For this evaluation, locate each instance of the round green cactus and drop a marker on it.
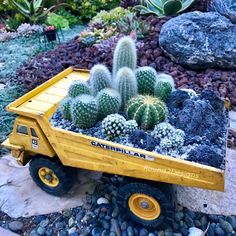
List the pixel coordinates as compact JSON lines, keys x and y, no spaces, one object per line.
{"x":162,"y":90}
{"x":126,"y":85}
{"x":131,"y":126}
{"x":78,"y":88}
{"x":125,"y":55}
{"x":162,"y":130}
{"x":65,"y":108}
{"x":109,"y":101}
{"x":147,"y":111}
{"x":100,"y":78}
{"x":114,"y":126}
{"x":146,"y":78}
{"x":84,"y":111}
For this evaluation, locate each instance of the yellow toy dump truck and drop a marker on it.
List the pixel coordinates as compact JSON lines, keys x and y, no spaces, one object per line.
{"x":54,"y":153}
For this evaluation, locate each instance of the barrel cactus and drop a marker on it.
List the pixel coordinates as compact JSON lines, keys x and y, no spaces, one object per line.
{"x":147,"y":111}
{"x":125,"y":55}
{"x":146,"y":78}
{"x":126,"y":84}
{"x":84,"y":111}
{"x":109,"y":101}
{"x":65,"y":108}
{"x":78,"y":88}
{"x":100,"y":78}
{"x":114,"y":126}
{"x":131,"y":126}
{"x":162,"y":90}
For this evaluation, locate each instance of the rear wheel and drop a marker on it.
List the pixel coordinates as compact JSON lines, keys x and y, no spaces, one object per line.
{"x":51,"y":176}
{"x":145,"y":204}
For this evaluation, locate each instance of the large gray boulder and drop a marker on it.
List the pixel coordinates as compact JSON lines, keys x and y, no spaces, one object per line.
{"x":200,"y":40}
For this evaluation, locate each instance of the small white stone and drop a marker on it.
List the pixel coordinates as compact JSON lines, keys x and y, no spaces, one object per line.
{"x":193,"y":231}
{"x":102,"y":200}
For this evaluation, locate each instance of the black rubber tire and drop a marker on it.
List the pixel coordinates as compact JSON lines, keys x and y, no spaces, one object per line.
{"x":166,"y":206}
{"x":66,"y":175}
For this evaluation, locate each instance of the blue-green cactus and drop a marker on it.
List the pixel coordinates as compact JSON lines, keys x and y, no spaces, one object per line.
{"x":131,"y":126}
{"x":78,"y":88}
{"x":100,"y":78}
{"x":162,"y":130}
{"x":125,"y":55}
{"x":65,"y":108}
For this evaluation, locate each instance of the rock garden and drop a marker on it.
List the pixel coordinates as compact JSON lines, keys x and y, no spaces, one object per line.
{"x":162,"y":79}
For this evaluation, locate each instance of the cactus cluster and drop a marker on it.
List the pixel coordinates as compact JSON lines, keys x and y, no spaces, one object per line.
{"x":78,"y":88}
{"x":100,"y":78}
{"x":113,"y":126}
{"x":125,"y":55}
{"x":146,"y":110}
{"x":131,"y":126}
{"x":162,"y":130}
{"x":84,"y":111}
{"x":126,"y":85}
{"x":109,"y":101}
{"x":146,"y":79}
{"x":65,"y":108}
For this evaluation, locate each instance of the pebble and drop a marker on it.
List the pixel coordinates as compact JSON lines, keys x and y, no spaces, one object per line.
{"x":143,"y":232}
{"x":41,"y":230}
{"x":71,"y":222}
{"x":179,"y":216}
{"x":151,"y":234}
{"x":102,"y":200}
{"x":124,"y":226}
{"x":112,"y":234}
{"x":130,"y":231}
{"x":226,"y":226}
{"x":67,"y":213}
{"x":44,"y":223}
{"x":204,"y":221}
{"x":193,"y":231}
{"x":49,"y":232}
{"x":71,"y":230}
{"x":161,"y":233}
{"x":38,"y":219}
{"x":232,"y":221}
{"x":96,"y":231}
{"x":79,"y":216}
{"x":16,"y":226}
{"x":105,"y":233}
{"x":115,"y":227}
{"x":219,"y":231}
{"x":115,"y":212}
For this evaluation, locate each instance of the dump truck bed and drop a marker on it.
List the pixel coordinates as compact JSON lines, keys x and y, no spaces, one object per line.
{"x":91,"y":153}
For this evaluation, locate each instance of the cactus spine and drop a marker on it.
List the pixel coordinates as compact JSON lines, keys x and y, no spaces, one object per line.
{"x":146,"y":78}
{"x":84,"y":111}
{"x":78,"y":88}
{"x":125,"y":55}
{"x":65,"y":108}
{"x":147,"y":111}
{"x":100,"y":78}
{"x":109,"y":101}
{"x":126,"y":85}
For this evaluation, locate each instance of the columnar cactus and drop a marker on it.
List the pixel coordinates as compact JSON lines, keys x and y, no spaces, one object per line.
{"x":65,"y":108}
{"x":126,"y":84}
{"x":162,"y":90}
{"x":166,"y":78}
{"x":162,"y":130}
{"x":146,"y":78}
{"x":84,"y":111}
{"x":114,"y":126}
{"x":147,"y":111}
{"x":78,"y":88}
{"x":125,"y":55}
{"x":100,"y":78}
{"x":109,"y":101}
{"x":131,"y":126}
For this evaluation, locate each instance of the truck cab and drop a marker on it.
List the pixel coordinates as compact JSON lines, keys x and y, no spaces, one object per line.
{"x":27,"y":139}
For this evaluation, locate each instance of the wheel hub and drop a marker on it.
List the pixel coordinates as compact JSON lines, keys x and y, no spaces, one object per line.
{"x":48,"y":177}
{"x":144,"y":205}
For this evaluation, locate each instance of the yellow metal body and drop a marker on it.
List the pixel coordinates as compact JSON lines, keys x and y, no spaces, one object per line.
{"x":90,"y":153}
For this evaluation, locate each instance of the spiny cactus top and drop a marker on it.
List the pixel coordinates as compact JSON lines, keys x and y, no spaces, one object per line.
{"x":109,"y":101}
{"x":65,"y":108}
{"x":147,"y":111}
{"x":162,"y":130}
{"x":146,"y":78}
{"x":166,"y":78}
{"x":78,"y":88}
{"x":125,"y":55}
{"x":100,"y":78}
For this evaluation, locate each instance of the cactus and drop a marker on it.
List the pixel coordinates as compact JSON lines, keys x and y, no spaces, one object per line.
{"x":78,"y":88}
{"x":100,"y":78}
{"x":65,"y":108}
{"x":114,"y":126}
{"x":131,"y":126}
{"x":146,"y":78}
{"x":147,"y":111}
{"x":126,"y":85}
{"x":84,"y":111}
{"x":125,"y":55}
{"x":162,"y":90}
{"x":162,"y":130}
{"x":190,"y":92}
{"x":109,"y":101}
{"x":177,"y":139}
{"x":166,"y":78}
{"x":165,"y":144}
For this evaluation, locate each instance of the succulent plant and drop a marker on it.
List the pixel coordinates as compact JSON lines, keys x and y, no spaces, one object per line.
{"x":165,"y":144}
{"x":162,"y":90}
{"x":114,"y":126}
{"x":190,"y":92}
{"x":177,"y":138}
{"x":147,"y":111}
{"x":163,"y":8}
{"x":109,"y":101}
{"x":84,"y":111}
{"x":146,"y":79}
{"x":125,"y":55}
{"x":131,"y":126}
{"x":162,"y":130}
{"x":65,"y":108}
{"x":78,"y":88}
{"x":126,"y":84}
{"x":100,"y":78}
{"x":166,"y":78}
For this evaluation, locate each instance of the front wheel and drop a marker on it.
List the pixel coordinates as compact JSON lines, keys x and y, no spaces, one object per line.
{"x":51,"y":176}
{"x":145,"y":204}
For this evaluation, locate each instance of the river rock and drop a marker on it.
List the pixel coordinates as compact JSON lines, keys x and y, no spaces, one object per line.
{"x":200,"y":40}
